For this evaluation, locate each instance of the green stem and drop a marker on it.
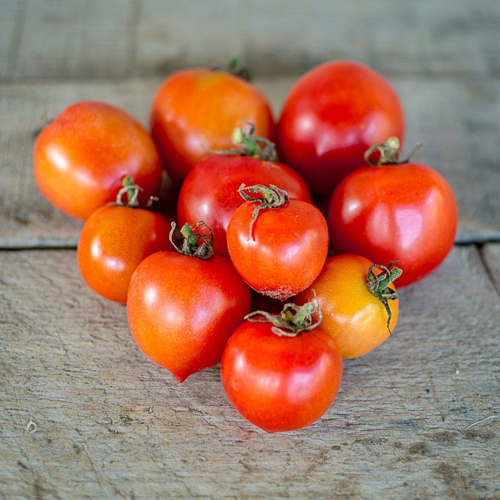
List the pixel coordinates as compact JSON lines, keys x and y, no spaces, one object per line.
{"x":191,"y":246}
{"x":389,"y":153}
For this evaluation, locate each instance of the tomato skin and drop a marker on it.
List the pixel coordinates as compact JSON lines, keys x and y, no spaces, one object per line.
{"x":403,"y":212}
{"x":114,"y":241}
{"x":210,"y":191}
{"x":352,"y":316}
{"x":197,"y":109}
{"x":287,"y":250}
{"x":182,"y":310}
{"x":81,"y":158}
{"x":280,"y":383}
{"x":332,"y":115}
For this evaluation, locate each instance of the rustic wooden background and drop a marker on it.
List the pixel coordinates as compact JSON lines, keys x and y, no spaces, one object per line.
{"x":85,"y":415}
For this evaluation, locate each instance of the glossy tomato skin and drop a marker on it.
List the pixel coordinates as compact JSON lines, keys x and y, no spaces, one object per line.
{"x":182,"y":310}
{"x":332,"y":115}
{"x":401,"y":212}
{"x":81,"y":158}
{"x":286,"y":250}
{"x":210,"y":191}
{"x":280,"y":383}
{"x":197,"y":109}
{"x":114,"y":241}
{"x":352,"y":316}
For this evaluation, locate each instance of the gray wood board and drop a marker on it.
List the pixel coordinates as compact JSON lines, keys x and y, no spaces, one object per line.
{"x":84,"y":414}
{"x":491,"y":257}
{"x":457,"y":121}
{"x":92,"y":38}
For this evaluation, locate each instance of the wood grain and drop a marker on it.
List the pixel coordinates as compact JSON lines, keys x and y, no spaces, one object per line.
{"x":117,"y":38}
{"x":456,"y":121}
{"x":491,"y":259}
{"x":84,"y":414}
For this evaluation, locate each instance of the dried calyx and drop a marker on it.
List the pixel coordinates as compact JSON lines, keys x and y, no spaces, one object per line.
{"x":378,"y":284}
{"x":132,"y":191}
{"x":263,"y":197}
{"x":389,"y":153}
{"x":252,"y":145}
{"x":194,"y":244}
{"x":292,"y":320}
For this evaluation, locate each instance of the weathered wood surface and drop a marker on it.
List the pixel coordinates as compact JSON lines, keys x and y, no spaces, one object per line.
{"x":491,"y":258}
{"x":84,"y":414}
{"x":457,"y":121}
{"x":93,"y":38}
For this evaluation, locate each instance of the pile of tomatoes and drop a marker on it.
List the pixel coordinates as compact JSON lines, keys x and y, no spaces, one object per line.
{"x":249,"y":236}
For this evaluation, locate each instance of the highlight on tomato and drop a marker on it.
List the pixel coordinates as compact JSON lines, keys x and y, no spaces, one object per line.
{"x":332,"y":115}
{"x":281,"y":372}
{"x":82,"y":157}
{"x":183,"y":305}
{"x":358,"y":300}
{"x":195,"y":111}
{"x":394,"y":210}
{"x":277,"y":245}
{"x":115,"y":239}
{"x":210,"y":191}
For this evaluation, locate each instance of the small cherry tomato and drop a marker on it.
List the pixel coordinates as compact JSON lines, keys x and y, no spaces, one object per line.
{"x":395,"y":212}
{"x":356,"y":298}
{"x":210,"y":191}
{"x":281,"y":377}
{"x":278,"y":246}
{"x":197,"y":109}
{"x":115,"y":240}
{"x":82,"y":157}
{"x":182,"y":307}
{"x":331,"y":116}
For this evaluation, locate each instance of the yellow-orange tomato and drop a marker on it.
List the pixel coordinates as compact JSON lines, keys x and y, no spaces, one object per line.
{"x":114,"y":241}
{"x":352,"y":316}
{"x":82,"y":157}
{"x":197,"y":109}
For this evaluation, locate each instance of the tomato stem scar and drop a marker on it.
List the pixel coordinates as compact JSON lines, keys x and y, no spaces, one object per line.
{"x":191,"y":241}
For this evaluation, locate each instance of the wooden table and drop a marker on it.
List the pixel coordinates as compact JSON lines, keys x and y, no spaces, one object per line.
{"x":84,"y":414}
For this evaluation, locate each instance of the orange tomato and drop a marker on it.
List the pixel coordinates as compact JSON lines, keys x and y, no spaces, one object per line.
{"x":352,"y":316}
{"x":82,"y":157}
{"x":197,"y":109}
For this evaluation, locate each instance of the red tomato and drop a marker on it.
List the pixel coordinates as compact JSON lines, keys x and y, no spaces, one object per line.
{"x":354,"y":317}
{"x":197,"y":109}
{"x":182,"y":310}
{"x":210,"y":191}
{"x":331,"y":116}
{"x":405,"y":213}
{"x":113,"y":242}
{"x":280,"y":383}
{"x":283,"y":251}
{"x":81,"y":158}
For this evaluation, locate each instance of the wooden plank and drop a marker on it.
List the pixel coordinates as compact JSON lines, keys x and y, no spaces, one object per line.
{"x":84,"y":414}
{"x":116,"y":38}
{"x":456,"y":121}
{"x":491,"y":257}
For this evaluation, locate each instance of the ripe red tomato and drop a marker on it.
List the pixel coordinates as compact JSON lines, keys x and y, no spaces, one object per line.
{"x":405,"y":213}
{"x":114,"y":241}
{"x":197,"y":109}
{"x":352,"y":315}
{"x":82,"y":157}
{"x":332,"y":115}
{"x":182,"y":309}
{"x":283,"y":250}
{"x":210,"y":191}
{"x":280,"y":383}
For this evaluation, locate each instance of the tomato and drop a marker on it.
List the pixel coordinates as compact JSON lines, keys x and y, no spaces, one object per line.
{"x":280,"y":383}
{"x":81,"y":158}
{"x":114,"y":241}
{"x":331,"y":116}
{"x":405,"y":212}
{"x":197,"y":109}
{"x":183,"y":308}
{"x":210,"y":191}
{"x":355,"y":318}
{"x":282,"y":251}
